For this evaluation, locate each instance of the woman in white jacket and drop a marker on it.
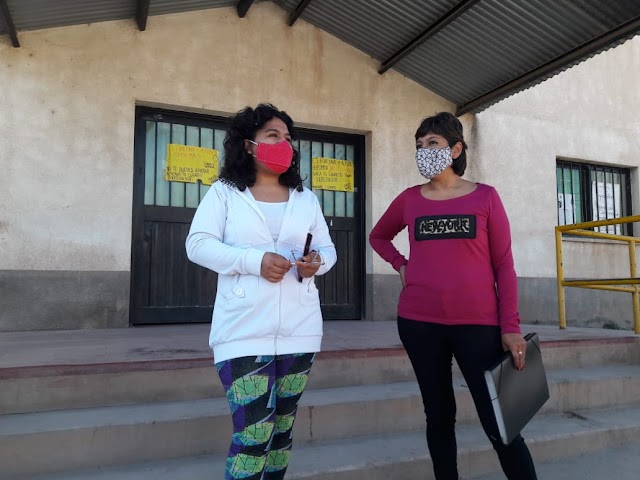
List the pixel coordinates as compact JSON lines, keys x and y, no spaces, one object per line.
{"x":252,"y":228}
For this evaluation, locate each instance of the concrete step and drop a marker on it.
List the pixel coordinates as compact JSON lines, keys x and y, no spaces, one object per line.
{"x":72,"y":439}
{"x":403,"y":456}
{"x":621,"y":462}
{"x":583,"y":353}
{"x":58,"y":387}
{"x":38,"y":389}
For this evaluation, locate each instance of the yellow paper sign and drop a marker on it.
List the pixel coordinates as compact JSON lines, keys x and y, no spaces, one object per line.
{"x":189,"y":164}
{"x":332,"y":174}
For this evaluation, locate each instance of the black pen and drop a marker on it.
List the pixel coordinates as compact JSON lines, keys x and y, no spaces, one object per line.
{"x":305,"y":252}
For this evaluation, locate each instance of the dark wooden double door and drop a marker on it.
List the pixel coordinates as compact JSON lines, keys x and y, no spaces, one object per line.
{"x":165,"y":286}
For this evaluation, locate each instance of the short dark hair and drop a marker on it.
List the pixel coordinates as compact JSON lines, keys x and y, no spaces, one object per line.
{"x":447,"y":125}
{"x":239,"y":166}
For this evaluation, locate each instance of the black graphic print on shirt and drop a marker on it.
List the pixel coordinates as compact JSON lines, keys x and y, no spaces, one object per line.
{"x":439,"y":227}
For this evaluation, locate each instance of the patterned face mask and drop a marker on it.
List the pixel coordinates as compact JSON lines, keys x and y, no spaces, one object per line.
{"x":433,"y":161}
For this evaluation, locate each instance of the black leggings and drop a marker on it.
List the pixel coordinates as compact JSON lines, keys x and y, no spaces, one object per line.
{"x":430,"y":347}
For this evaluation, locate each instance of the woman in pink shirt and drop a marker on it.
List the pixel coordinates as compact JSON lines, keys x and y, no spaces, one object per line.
{"x":459,"y":293}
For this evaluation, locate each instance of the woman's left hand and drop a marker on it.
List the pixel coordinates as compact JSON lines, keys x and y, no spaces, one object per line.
{"x":309,"y":264}
{"x":516,"y":344}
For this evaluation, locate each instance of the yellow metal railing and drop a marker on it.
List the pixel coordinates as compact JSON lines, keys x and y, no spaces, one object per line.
{"x":614,"y":284}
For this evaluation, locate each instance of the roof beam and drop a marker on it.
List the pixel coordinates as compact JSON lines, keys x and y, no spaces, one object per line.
{"x":13,"y":34}
{"x":434,"y":28}
{"x":243,"y":7}
{"x":581,"y":52}
{"x":142,"y":14}
{"x":298,"y":11}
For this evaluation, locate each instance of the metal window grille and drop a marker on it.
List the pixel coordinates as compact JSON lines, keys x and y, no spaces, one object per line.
{"x":589,"y":192}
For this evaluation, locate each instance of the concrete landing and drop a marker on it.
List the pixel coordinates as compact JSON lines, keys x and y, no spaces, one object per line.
{"x":190,"y":342}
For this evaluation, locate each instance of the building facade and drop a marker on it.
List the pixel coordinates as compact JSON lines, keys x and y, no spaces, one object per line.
{"x":88,"y":109}
{"x":574,"y":135}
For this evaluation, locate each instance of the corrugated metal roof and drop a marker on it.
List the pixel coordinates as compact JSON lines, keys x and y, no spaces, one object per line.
{"x":498,"y":41}
{"x":488,"y":46}
{"x":34,"y":14}
{"x":491,"y":44}
{"x":161,"y":7}
{"x":377,"y":27}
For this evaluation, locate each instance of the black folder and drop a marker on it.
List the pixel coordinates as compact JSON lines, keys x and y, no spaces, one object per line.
{"x":517,"y":395}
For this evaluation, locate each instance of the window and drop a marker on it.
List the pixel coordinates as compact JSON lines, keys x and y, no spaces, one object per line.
{"x":593,"y":192}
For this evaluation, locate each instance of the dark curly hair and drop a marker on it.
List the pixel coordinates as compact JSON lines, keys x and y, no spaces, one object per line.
{"x":239,"y":167}
{"x":447,"y":125}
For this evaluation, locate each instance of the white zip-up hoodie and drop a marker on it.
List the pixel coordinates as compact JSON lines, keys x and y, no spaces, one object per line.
{"x":252,"y":316}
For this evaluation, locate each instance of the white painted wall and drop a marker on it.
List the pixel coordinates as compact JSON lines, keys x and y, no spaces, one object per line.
{"x":587,"y":113}
{"x":67,"y":118}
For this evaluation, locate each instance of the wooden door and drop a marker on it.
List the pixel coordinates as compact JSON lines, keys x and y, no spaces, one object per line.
{"x":341,"y":291}
{"x":165,"y":286}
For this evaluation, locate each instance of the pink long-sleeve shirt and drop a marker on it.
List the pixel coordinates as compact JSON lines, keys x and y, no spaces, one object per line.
{"x":460,"y":267}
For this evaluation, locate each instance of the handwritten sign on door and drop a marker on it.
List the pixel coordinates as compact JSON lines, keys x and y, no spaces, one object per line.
{"x":332,"y":174}
{"x":189,"y":164}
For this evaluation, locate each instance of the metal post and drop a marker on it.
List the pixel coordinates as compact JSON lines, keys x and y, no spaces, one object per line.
{"x":636,"y":296}
{"x":562,"y":314}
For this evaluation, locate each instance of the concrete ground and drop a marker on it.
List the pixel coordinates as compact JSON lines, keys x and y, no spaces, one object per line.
{"x":619,"y":463}
{"x":190,"y":342}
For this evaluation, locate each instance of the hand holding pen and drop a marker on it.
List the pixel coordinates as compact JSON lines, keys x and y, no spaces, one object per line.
{"x":310,"y":262}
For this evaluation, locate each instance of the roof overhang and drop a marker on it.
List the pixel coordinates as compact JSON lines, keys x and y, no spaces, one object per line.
{"x":471,"y":52}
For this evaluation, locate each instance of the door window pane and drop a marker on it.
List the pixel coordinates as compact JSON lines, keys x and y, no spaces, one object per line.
{"x":157,"y":190}
{"x":340,"y":197}
{"x":163,"y":138}
{"x":350,"y":155}
{"x":316,"y":151}
{"x":192,"y":190}
{"x":178,"y":134}
{"x":150,"y":163}
{"x":206,"y":141}
{"x":328,"y":204}
{"x":305,"y":162}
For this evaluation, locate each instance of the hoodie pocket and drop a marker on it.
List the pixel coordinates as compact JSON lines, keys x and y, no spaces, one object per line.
{"x":242,"y":294}
{"x":308,"y":293}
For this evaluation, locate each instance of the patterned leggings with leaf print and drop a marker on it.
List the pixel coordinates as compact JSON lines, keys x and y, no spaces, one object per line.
{"x":263,"y":394}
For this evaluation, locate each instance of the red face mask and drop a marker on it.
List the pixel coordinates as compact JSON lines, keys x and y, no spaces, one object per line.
{"x":277,"y":157}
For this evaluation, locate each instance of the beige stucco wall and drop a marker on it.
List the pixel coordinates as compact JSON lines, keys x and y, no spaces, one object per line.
{"x":587,"y":113}
{"x":68,"y":115}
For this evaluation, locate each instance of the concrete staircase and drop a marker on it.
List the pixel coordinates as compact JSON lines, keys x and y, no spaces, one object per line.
{"x":361,"y":417}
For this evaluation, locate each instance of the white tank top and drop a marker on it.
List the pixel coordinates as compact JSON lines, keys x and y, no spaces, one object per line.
{"x":274,"y":213}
